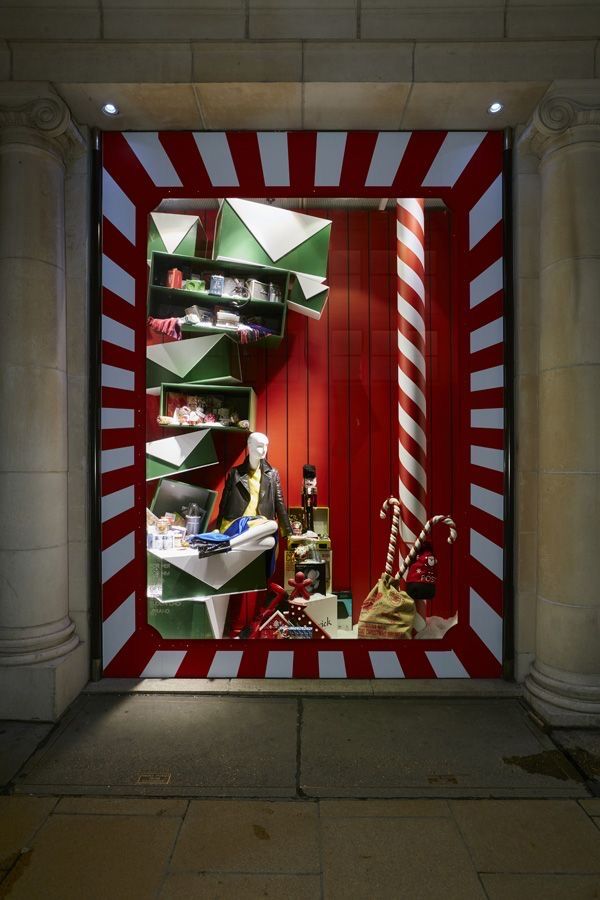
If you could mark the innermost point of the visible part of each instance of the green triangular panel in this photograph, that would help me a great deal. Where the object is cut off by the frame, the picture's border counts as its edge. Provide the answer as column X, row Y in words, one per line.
column 178, row 584
column 215, row 358
column 234, row 240
column 173, row 233
column 312, row 306
column 161, row 462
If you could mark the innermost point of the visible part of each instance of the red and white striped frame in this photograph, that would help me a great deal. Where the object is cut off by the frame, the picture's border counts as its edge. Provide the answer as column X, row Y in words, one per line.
column 464, row 169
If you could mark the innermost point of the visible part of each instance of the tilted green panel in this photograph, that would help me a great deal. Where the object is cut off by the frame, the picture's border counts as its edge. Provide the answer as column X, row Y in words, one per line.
column 160, row 462
column 177, row 584
column 189, row 235
column 195, row 360
column 234, row 240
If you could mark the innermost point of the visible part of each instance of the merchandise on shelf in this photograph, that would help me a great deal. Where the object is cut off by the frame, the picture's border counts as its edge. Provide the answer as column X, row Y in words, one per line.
column 207, row 406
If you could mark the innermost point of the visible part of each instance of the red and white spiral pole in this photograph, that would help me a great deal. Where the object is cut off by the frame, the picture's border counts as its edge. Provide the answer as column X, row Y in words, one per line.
column 412, row 404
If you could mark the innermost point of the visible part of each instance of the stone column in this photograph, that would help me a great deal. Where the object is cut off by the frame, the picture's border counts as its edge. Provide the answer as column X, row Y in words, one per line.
column 564, row 681
column 42, row 664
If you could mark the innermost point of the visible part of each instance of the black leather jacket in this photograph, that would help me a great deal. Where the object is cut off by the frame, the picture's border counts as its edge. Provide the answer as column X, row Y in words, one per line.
column 236, row 496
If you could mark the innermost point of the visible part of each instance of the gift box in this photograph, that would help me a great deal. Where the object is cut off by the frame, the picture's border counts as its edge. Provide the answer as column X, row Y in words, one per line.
column 257, row 232
column 323, row 611
column 215, row 358
column 173, row 496
column 175, row 233
column 179, row 454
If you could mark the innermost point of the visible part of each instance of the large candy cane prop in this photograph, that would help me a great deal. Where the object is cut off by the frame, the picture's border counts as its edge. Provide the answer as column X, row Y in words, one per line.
column 414, row 551
column 391, row 553
column 412, row 411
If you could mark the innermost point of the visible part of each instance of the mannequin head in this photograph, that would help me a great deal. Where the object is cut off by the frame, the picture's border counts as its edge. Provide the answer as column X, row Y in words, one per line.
column 258, row 445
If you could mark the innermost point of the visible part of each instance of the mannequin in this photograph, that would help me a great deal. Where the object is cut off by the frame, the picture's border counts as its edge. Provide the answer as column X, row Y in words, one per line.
column 254, row 488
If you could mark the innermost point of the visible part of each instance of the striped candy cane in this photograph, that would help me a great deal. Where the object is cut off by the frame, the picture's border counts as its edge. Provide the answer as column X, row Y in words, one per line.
column 412, row 444
column 416, row 547
column 391, row 553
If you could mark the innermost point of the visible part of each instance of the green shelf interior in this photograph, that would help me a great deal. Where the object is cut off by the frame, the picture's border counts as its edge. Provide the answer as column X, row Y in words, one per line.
column 164, row 301
column 238, row 397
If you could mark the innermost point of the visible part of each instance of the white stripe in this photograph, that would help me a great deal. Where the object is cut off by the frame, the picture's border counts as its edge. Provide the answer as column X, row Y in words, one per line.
column 117, row 207
column 114, row 332
column 408, row 349
column 164, row 664
column 410, row 240
column 486, row 379
column 407, row 535
column 330, row 158
column 385, row 664
column 117, row 280
column 117, row 556
column 488, row 335
column 487, row 283
column 489, row 501
column 114, row 377
column 453, row 157
column 446, row 664
column 410, row 389
column 486, row 623
column 387, row 156
column 331, row 664
column 487, row 458
column 412, row 206
column 273, row 147
column 225, row 664
column 116, row 503
column 412, row 315
column 153, row 157
column 410, row 502
column 487, row 553
column 412, row 466
column 486, row 213
column 116, row 418
column 117, row 629
column 280, row 664
column 111, row 460
column 487, row 418
column 411, row 278
column 408, row 424
column 217, row 158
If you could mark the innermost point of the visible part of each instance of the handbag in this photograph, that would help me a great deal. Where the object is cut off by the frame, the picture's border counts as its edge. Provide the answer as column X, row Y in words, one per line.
column 388, row 611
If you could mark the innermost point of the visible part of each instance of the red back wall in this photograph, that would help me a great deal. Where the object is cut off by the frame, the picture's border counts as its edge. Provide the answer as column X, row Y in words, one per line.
column 328, row 396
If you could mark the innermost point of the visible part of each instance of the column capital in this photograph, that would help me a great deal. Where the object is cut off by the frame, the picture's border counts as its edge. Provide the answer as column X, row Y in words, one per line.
column 569, row 112
column 35, row 114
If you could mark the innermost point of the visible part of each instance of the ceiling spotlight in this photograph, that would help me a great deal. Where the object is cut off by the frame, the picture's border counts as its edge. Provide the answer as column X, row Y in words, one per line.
column 109, row 109
column 495, row 107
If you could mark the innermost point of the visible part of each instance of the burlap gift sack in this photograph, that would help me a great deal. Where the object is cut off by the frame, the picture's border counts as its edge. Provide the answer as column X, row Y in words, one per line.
column 387, row 612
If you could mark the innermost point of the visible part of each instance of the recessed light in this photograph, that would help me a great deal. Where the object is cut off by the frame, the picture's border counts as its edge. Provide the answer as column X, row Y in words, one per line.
column 495, row 107
column 109, row 109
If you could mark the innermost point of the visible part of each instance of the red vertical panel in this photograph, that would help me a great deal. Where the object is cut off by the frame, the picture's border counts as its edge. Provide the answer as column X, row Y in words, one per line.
column 339, row 428
column 382, row 389
column 359, row 411
column 297, row 405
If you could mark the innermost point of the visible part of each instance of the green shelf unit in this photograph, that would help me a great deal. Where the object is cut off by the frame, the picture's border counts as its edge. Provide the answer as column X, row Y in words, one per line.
column 238, row 397
column 172, row 495
column 164, row 301
column 214, row 359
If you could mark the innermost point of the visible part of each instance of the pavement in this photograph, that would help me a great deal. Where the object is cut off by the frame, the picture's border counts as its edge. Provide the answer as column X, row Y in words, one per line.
column 297, row 794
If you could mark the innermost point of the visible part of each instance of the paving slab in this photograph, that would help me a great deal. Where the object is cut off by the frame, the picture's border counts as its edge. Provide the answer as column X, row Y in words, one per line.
column 93, row 857
column 399, row 858
column 527, row 836
column 583, row 746
column 20, row 818
column 591, row 806
column 170, row 746
column 249, row 836
column 383, row 809
column 18, row 740
column 420, row 748
column 241, row 887
column 541, row 887
column 122, row 806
